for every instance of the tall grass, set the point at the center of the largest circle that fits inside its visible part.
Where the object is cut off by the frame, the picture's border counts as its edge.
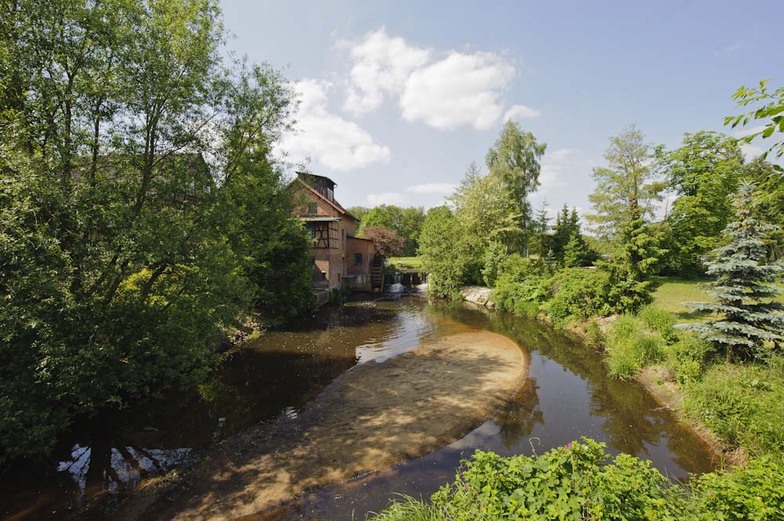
(631, 345)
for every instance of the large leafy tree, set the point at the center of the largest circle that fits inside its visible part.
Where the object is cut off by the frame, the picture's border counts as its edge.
(626, 190)
(126, 255)
(485, 209)
(703, 173)
(750, 322)
(406, 222)
(449, 256)
(514, 160)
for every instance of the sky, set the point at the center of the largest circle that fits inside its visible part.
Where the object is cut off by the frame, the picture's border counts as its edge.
(396, 99)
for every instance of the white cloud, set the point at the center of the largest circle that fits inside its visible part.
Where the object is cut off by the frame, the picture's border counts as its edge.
(433, 188)
(385, 198)
(520, 111)
(461, 89)
(382, 65)
(334, 142)
(447, 91)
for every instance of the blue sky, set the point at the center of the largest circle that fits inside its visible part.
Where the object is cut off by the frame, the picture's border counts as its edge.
(397, 98)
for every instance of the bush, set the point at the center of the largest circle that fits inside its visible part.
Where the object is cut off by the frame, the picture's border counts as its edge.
(743, 405)
(579, 481)
(688, 357)
(582, 482)
(754, 492)
(522, 298)
(576, 293)
(630, 347)
(494, 258)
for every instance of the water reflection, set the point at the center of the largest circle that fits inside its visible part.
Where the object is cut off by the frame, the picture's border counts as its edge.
(567, 395)
(517, 418)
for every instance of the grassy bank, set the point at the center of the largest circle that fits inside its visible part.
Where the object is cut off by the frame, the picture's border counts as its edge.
(406, 263)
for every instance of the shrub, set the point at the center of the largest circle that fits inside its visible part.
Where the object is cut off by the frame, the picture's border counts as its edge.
(754, 492)
(594, 333)
(630, 347)
(579, 481)
(522, 298)
(494, 258)
(688, 357)
(576, 293)
(582, 482)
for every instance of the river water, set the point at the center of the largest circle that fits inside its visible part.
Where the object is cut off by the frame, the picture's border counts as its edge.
(567, 395)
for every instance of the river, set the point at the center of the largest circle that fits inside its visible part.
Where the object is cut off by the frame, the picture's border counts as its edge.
(567, 395)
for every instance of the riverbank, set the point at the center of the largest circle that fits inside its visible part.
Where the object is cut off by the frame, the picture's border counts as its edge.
(367, 420)
(655, 379)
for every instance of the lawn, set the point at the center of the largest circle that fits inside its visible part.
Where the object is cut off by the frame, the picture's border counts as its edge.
(672, 294)
(406, 263)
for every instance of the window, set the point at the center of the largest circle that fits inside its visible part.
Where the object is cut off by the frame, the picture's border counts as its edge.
(312, 208)
(357, 259)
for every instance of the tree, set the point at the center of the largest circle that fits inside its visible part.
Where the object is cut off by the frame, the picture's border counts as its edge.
(126, 256)
(704, 173)
(770, 110)
(540, 241)
(624, 196)
(407, 222)
(448, 256)
(386, 242)
(514, 160)
(485, 210)
(750, 324)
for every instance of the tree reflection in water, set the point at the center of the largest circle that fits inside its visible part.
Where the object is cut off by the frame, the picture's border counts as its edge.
(518, 417)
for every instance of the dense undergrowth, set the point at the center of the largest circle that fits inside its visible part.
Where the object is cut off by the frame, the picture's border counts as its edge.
(581, 481)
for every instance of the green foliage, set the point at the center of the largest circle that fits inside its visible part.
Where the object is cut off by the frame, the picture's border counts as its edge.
(519, 286)
(688, 356)
(576, 293)
(579, 481)
(624, 196)
(514, 160)
(406, 222)
(626, 189)
(448, 257)
(495, 256)
(660, 321)
(769, 203)
(704, 172)
(754, 492)
(751, 324)
(125, 256)
(486, 211)
(631, 346)
(582, 482)
(742, 404)
(770, 109)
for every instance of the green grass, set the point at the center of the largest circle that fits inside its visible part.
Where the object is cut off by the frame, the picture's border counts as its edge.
(672, 294)
(406, 263)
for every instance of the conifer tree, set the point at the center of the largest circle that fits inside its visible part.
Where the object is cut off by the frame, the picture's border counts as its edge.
(750, 322)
